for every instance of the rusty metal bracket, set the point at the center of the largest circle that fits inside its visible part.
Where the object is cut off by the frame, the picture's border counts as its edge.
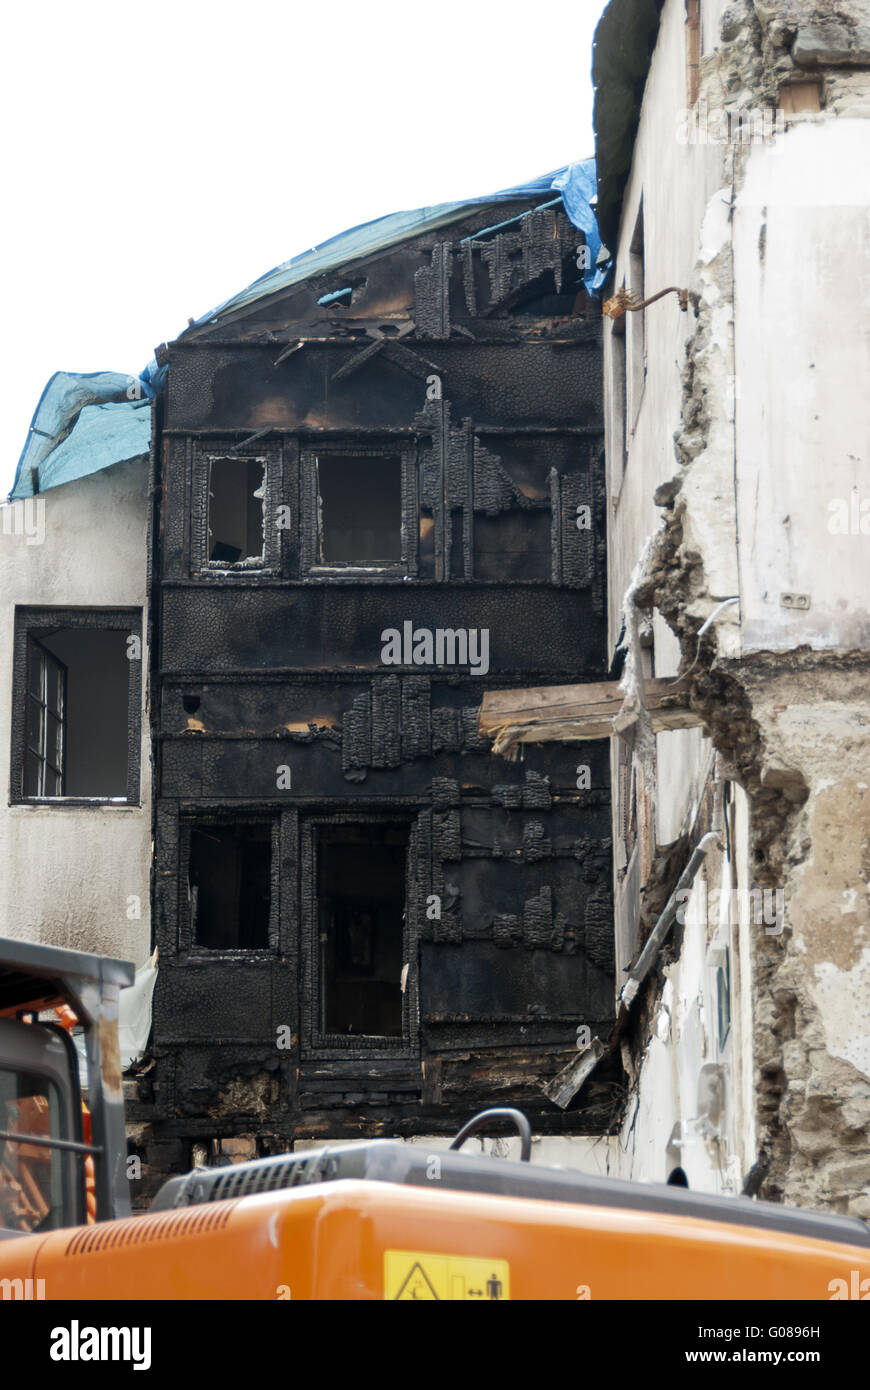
(628, 301)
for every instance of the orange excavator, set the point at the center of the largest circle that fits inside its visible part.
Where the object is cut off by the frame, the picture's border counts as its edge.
(378, 1220)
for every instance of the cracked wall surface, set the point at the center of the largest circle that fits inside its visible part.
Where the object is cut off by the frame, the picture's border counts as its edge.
(747, 461)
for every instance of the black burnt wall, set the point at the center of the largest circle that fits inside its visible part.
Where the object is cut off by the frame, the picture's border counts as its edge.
(471, 355)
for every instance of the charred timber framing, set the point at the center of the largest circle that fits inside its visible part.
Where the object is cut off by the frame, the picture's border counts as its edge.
(569, 712)
(466, 364)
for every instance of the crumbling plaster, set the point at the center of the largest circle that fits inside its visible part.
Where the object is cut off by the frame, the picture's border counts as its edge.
(756, 45)
(792, 723)
(812, 1033)
(762, 446)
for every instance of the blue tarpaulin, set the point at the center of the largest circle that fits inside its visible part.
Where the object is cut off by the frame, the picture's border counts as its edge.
(84, 422)
(578, 185)
(575, 182)
(87, 422)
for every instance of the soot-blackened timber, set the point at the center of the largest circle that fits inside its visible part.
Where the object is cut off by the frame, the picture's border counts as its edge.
(367, 923)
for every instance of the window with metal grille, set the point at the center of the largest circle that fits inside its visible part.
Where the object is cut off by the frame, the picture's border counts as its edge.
(46, 711)
(77, 705)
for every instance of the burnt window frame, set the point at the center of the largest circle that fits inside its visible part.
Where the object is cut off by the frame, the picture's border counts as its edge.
(26, 622)
(315, 1044)
(271, 457)
(188, 946)
(311, 539)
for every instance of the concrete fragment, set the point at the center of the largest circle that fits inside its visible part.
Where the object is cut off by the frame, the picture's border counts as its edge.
(817, 45)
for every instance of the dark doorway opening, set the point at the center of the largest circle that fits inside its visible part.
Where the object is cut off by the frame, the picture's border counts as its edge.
(361, 886)
(360, 509)
(229, 876)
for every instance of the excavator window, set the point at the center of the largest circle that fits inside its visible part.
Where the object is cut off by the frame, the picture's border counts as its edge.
(31, 1174)
(42, 1142)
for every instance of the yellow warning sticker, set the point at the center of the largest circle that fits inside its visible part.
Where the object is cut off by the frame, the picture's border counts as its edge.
(414, 1274)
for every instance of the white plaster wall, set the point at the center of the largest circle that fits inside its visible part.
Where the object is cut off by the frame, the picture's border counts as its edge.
(68, 872)
(682, 757)
(802, 350)
(685, 225)
(777, 502)
(676, 182)
(684, 1039)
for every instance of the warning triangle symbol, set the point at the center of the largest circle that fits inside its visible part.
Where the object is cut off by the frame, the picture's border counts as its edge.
(416, 1285)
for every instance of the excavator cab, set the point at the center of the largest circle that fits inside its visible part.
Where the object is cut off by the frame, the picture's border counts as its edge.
(41, 1187)
(45, 1143)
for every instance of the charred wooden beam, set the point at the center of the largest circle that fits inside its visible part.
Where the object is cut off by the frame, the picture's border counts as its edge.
(289, 351)
(251, 439)
(566, 1083)
(559, 713)
(355, 362)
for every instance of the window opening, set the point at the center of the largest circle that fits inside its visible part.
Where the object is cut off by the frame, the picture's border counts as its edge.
(229, 879)
(77, 737)
(31, 1174)
(636, 331)
(620, 400)
(360, 509)
(236, 511)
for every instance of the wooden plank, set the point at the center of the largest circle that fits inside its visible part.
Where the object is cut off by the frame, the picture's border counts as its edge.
(565, 1085)
(513, 702)
(559, 712)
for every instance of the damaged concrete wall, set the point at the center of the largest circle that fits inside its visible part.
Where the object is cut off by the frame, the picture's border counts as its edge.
(751, 433)
(76, 875)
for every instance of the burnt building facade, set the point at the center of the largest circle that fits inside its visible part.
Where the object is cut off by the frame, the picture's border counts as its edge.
(379, 489)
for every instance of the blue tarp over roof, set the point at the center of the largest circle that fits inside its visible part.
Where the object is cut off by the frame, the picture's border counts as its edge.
(84, 422)
(576, 183)
(87, 422)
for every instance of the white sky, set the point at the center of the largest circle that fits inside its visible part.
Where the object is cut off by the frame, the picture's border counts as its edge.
(158, 158)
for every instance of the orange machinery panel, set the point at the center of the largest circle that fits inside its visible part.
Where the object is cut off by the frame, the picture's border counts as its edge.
(357, 1240)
